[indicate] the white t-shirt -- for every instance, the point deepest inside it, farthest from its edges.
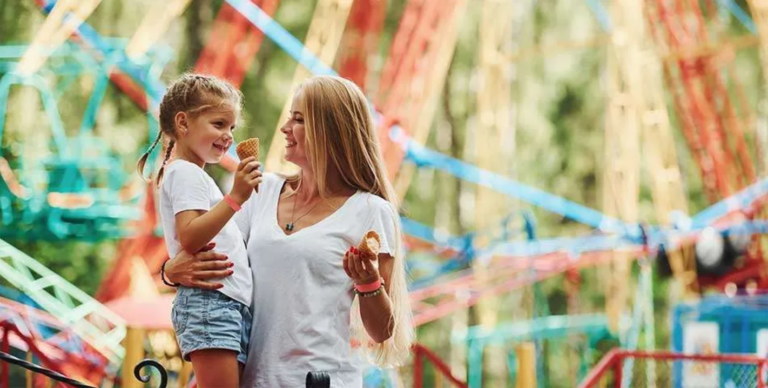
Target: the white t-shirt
(302, 296)
(186, 186)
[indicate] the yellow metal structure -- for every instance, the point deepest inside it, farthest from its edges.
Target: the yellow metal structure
(663, 170)
(323, 39)
(494, 132)
(621, 164)
(636, 110)
(494, 135)
(134, 353)
(65, 17)
(526, 365)
(759, 9)
(154, 25)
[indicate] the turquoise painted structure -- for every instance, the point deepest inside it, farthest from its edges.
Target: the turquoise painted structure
(78, 192)
(593, 327)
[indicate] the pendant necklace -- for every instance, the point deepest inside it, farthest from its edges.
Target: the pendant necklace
(289, 226)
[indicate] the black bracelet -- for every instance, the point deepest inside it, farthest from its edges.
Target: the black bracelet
(162, 276)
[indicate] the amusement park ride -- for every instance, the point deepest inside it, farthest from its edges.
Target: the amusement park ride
(84, 192)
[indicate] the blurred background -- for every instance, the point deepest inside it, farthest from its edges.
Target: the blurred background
(580, 180)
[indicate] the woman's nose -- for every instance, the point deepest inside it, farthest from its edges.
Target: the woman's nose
(284, 128)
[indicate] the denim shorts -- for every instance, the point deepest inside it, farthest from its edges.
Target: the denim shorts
(204, 319)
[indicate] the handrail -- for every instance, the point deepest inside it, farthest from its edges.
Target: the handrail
(43, 371)
(600, 369)
(613, 360)
(420, 352)
(72, 382)
(316, 379)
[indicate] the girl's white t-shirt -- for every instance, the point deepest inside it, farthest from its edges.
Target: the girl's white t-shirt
(186, 186)
(302, 297)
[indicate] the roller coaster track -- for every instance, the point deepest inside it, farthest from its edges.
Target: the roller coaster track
(53, 343)
(96, 324)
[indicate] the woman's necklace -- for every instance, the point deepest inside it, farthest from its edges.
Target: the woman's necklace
(289, 226)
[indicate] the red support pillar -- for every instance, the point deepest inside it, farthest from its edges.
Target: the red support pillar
(617, 369)
(418, 368)
(6, 373)
(233, 43)
(366, 19)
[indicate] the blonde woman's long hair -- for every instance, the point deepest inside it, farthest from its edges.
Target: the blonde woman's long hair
(340, 134)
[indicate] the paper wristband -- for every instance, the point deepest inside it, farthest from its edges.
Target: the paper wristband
(231, 202)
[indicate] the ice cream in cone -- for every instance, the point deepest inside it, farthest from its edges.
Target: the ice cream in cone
(248, 148)
(370, 245)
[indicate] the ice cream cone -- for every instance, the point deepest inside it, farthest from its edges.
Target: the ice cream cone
(248, 148)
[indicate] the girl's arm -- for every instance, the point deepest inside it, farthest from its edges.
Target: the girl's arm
(196, 228)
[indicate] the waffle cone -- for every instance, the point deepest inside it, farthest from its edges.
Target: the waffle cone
(370, 245)
(248, 148)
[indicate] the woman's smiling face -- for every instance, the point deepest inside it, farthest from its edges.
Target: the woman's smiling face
(295, 136)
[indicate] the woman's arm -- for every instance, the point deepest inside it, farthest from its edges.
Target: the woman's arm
(195, 270)
(375, 311)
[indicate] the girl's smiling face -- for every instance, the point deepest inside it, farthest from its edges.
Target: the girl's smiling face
(207, 136)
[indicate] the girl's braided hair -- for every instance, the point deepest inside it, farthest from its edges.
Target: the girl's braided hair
(193, 94)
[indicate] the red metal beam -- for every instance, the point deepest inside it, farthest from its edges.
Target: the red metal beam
(614, 359)
(414, 51)
(709, 119)
(20, 323)
(233, 43)
(422, 353)
(702, 101)
(145, 245)
(360, 39)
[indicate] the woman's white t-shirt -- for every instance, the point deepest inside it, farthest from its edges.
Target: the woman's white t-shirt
(186, 186)
(302, 297)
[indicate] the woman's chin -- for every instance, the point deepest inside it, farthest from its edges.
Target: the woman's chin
(301, 162)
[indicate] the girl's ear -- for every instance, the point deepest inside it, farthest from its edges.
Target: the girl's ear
(181, 123)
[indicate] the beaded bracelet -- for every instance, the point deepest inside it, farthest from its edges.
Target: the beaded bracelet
(369, 294)
(162, 276)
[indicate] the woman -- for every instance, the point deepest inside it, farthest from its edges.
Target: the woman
(301, 232)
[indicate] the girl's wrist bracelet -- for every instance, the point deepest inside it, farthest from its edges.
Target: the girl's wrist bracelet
(232, 203)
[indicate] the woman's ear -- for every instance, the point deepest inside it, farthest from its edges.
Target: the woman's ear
(181, 123)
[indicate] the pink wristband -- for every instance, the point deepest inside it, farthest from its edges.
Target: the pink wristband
(231, 202)
(368, 287)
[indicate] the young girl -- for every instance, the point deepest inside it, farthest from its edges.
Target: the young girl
(198, 114)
